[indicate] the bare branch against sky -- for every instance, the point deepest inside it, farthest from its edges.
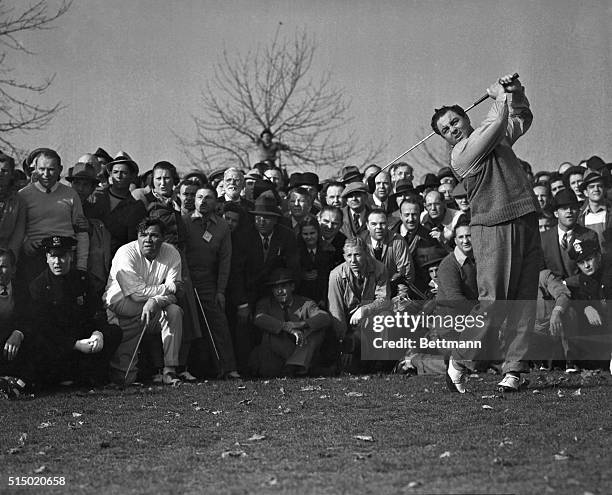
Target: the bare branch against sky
(271, 87)
(19, 111)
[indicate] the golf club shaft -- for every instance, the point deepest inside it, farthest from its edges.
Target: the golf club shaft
(477, 102)
(207, 325)
(144, 329)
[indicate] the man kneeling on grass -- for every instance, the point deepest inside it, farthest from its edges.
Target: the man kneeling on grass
(293, 326)
(143, 286)
(69, 338)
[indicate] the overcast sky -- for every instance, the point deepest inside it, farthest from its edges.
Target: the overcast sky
(131, 72)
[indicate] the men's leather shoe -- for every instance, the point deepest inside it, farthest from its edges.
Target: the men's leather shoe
(510, 383)
(456, 378)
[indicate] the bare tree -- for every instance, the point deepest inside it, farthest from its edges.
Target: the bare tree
(18, 112)
(271, 88)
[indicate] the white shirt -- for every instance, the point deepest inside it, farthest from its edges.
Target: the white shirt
(133, 275)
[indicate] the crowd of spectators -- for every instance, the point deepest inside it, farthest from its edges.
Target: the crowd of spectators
(108, 274)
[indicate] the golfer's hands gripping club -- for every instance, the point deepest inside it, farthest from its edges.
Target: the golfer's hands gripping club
(505, 84)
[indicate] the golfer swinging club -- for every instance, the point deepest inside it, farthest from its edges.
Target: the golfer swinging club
(504, 223)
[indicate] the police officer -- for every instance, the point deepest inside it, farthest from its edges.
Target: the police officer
(72, 339)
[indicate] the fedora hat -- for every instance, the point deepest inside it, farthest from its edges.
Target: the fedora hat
(593, 176)
(122, 158)
(565, 197)
(280, 276)
(403, 186)
(82, 171)
(445, 172)
(266, 206)
(353, 187)
(309, 179)
(350, 173)
(430, 181)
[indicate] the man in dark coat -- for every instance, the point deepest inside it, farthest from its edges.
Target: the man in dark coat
(72, 338)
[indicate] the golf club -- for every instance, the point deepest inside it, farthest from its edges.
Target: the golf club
(477, 102)
(207, 326)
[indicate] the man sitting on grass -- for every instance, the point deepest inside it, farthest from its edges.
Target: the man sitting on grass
(293, 329)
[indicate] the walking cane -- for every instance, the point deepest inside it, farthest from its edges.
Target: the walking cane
(144, 328)
(477, 102)
(207, 325)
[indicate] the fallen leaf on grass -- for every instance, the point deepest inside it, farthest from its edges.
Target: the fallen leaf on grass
(233, 453)
(561, 457)
(272, 481)
(489, 396)
(577, 392)
(41, 469)
(413, 484)
(45, 424)
(217, 412)
(15, 450)
(485, 406)
(536, 391)
(398, 395)
(560, 394)
(245, 401)
(354, 394)
(505, 442)
(282, 390)
(324, 397)
(241, 387)
(445, 454)
(76, 415)
(75, 425)
(310, 388)
(22, 439)
(256, 437)
(364, 438)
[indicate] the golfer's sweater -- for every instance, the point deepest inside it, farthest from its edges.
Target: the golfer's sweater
(55, 213)
(498, 188)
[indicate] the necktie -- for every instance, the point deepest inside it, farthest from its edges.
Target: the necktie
(266, 243)
(564, 241)
(378, 252)
(286, 314)
(356, 220)
(312, 255)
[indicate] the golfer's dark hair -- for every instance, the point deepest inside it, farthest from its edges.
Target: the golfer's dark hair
(151, 222)
(332, 209)
(9, 255)
(545, 185)
(439, 112)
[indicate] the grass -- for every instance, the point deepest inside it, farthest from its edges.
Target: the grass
(207, 438)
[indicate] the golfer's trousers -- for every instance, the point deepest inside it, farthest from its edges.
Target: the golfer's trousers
(508, 261)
